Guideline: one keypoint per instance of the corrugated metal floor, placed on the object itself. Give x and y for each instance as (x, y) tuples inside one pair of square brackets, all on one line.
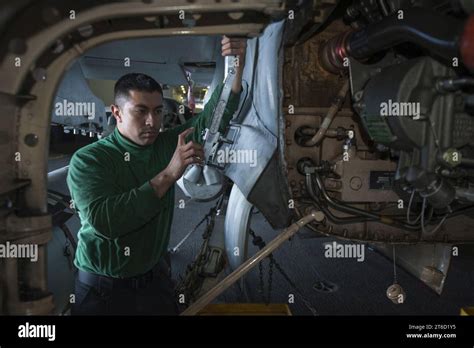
[(361, 285)]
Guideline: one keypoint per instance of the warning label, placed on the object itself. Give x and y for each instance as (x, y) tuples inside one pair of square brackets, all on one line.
[(381, 180)]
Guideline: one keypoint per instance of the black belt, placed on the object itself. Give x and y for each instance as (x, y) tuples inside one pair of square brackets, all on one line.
[(136, 282)]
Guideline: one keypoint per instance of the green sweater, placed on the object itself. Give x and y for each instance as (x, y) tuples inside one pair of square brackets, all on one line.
[(125, 226)]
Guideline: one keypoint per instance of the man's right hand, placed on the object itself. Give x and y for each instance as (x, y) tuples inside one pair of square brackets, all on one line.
[(184, 155)]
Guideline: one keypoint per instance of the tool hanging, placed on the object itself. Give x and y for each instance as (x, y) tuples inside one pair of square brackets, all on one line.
[(212, 137), (395, 292)]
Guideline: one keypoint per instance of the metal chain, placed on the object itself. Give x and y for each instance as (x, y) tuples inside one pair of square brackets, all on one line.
[(260, 282), (260, 243), (192, 281), (306, 302), (270, 280)]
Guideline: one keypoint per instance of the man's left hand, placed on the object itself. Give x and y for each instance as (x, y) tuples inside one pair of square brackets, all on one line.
[(234, 47)]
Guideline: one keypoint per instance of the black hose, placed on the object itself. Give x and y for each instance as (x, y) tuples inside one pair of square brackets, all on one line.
[(468, 162), (384, 7), (336, 219), (347, 209), (433, 31), (356, 211), (451, 85), (369, 217)]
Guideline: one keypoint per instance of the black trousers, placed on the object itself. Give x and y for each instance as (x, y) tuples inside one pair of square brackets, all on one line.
[(156, 297)]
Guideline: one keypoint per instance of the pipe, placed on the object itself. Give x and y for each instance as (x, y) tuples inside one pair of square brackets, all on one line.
[(58, 173), (335, 106), (252, 262), (387, 220), (383, 219), (383, 6), (347, 209), (305, 110), (419, 26), (468, 162), (454, 84), (305, 133), (336, 219)]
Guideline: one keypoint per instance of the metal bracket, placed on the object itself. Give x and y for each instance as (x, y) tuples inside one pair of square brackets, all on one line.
[(212, 137), (28, 229)]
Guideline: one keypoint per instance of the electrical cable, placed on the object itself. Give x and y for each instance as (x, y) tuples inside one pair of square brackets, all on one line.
[(409, 209), (434, 230)]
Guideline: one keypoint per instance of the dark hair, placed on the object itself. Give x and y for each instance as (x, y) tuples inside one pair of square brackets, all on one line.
[(137, 82)]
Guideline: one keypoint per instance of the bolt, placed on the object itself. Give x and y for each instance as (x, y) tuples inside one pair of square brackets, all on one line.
[(31, 139), (39, 74), (58, 47), (355, 183)]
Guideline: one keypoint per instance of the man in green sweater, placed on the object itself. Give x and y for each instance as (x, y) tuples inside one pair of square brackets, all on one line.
[(123, 189)]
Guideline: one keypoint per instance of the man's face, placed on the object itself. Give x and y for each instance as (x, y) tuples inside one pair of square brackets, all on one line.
[(139, 116)]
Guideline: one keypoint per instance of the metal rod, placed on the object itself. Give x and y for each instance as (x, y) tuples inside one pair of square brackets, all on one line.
[(252, 262), (316, 111), (336, 105), (176, 248)]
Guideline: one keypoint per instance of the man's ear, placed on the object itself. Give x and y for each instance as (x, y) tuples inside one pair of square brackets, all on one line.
[(116, 113)]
